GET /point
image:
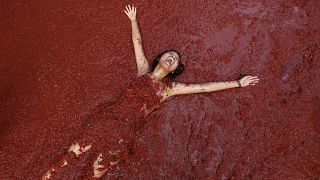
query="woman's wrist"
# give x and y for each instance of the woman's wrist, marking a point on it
(238, 82)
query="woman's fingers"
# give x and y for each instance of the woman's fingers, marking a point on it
(131, 9)
(255, 77)
(253, 82)
(128, 8)
(250, 77)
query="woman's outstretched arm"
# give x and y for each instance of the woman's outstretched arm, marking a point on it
(180, 88)
(142, 62)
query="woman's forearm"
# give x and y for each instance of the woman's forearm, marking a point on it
(135, 30)
(180, 88)
(217, 86)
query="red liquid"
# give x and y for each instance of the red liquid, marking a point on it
(62, 61)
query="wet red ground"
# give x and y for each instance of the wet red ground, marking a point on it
(61, 60)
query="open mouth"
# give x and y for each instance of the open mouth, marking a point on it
(170, 61)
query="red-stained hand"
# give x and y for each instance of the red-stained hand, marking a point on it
(131, 12)
(249, 80)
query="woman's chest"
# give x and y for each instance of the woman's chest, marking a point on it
(139, 99)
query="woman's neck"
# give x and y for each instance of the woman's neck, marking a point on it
(158, 74)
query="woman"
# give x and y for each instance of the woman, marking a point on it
(169, 64)
(108, 141)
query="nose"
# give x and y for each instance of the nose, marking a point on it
(175, 58)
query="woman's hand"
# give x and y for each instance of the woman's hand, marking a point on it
(248, 80)
(131, 12)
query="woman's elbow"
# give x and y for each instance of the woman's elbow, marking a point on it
(137, 40)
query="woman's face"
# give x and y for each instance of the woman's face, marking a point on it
(169, 61)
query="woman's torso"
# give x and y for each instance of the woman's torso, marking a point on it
(141, 97)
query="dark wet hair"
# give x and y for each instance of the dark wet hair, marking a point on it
(178, 71)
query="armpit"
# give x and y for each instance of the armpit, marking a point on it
(143, 72)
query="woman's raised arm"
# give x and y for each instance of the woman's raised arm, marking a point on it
(180, 88)
(142, 62)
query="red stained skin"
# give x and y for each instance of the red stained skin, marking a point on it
(65, 66)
